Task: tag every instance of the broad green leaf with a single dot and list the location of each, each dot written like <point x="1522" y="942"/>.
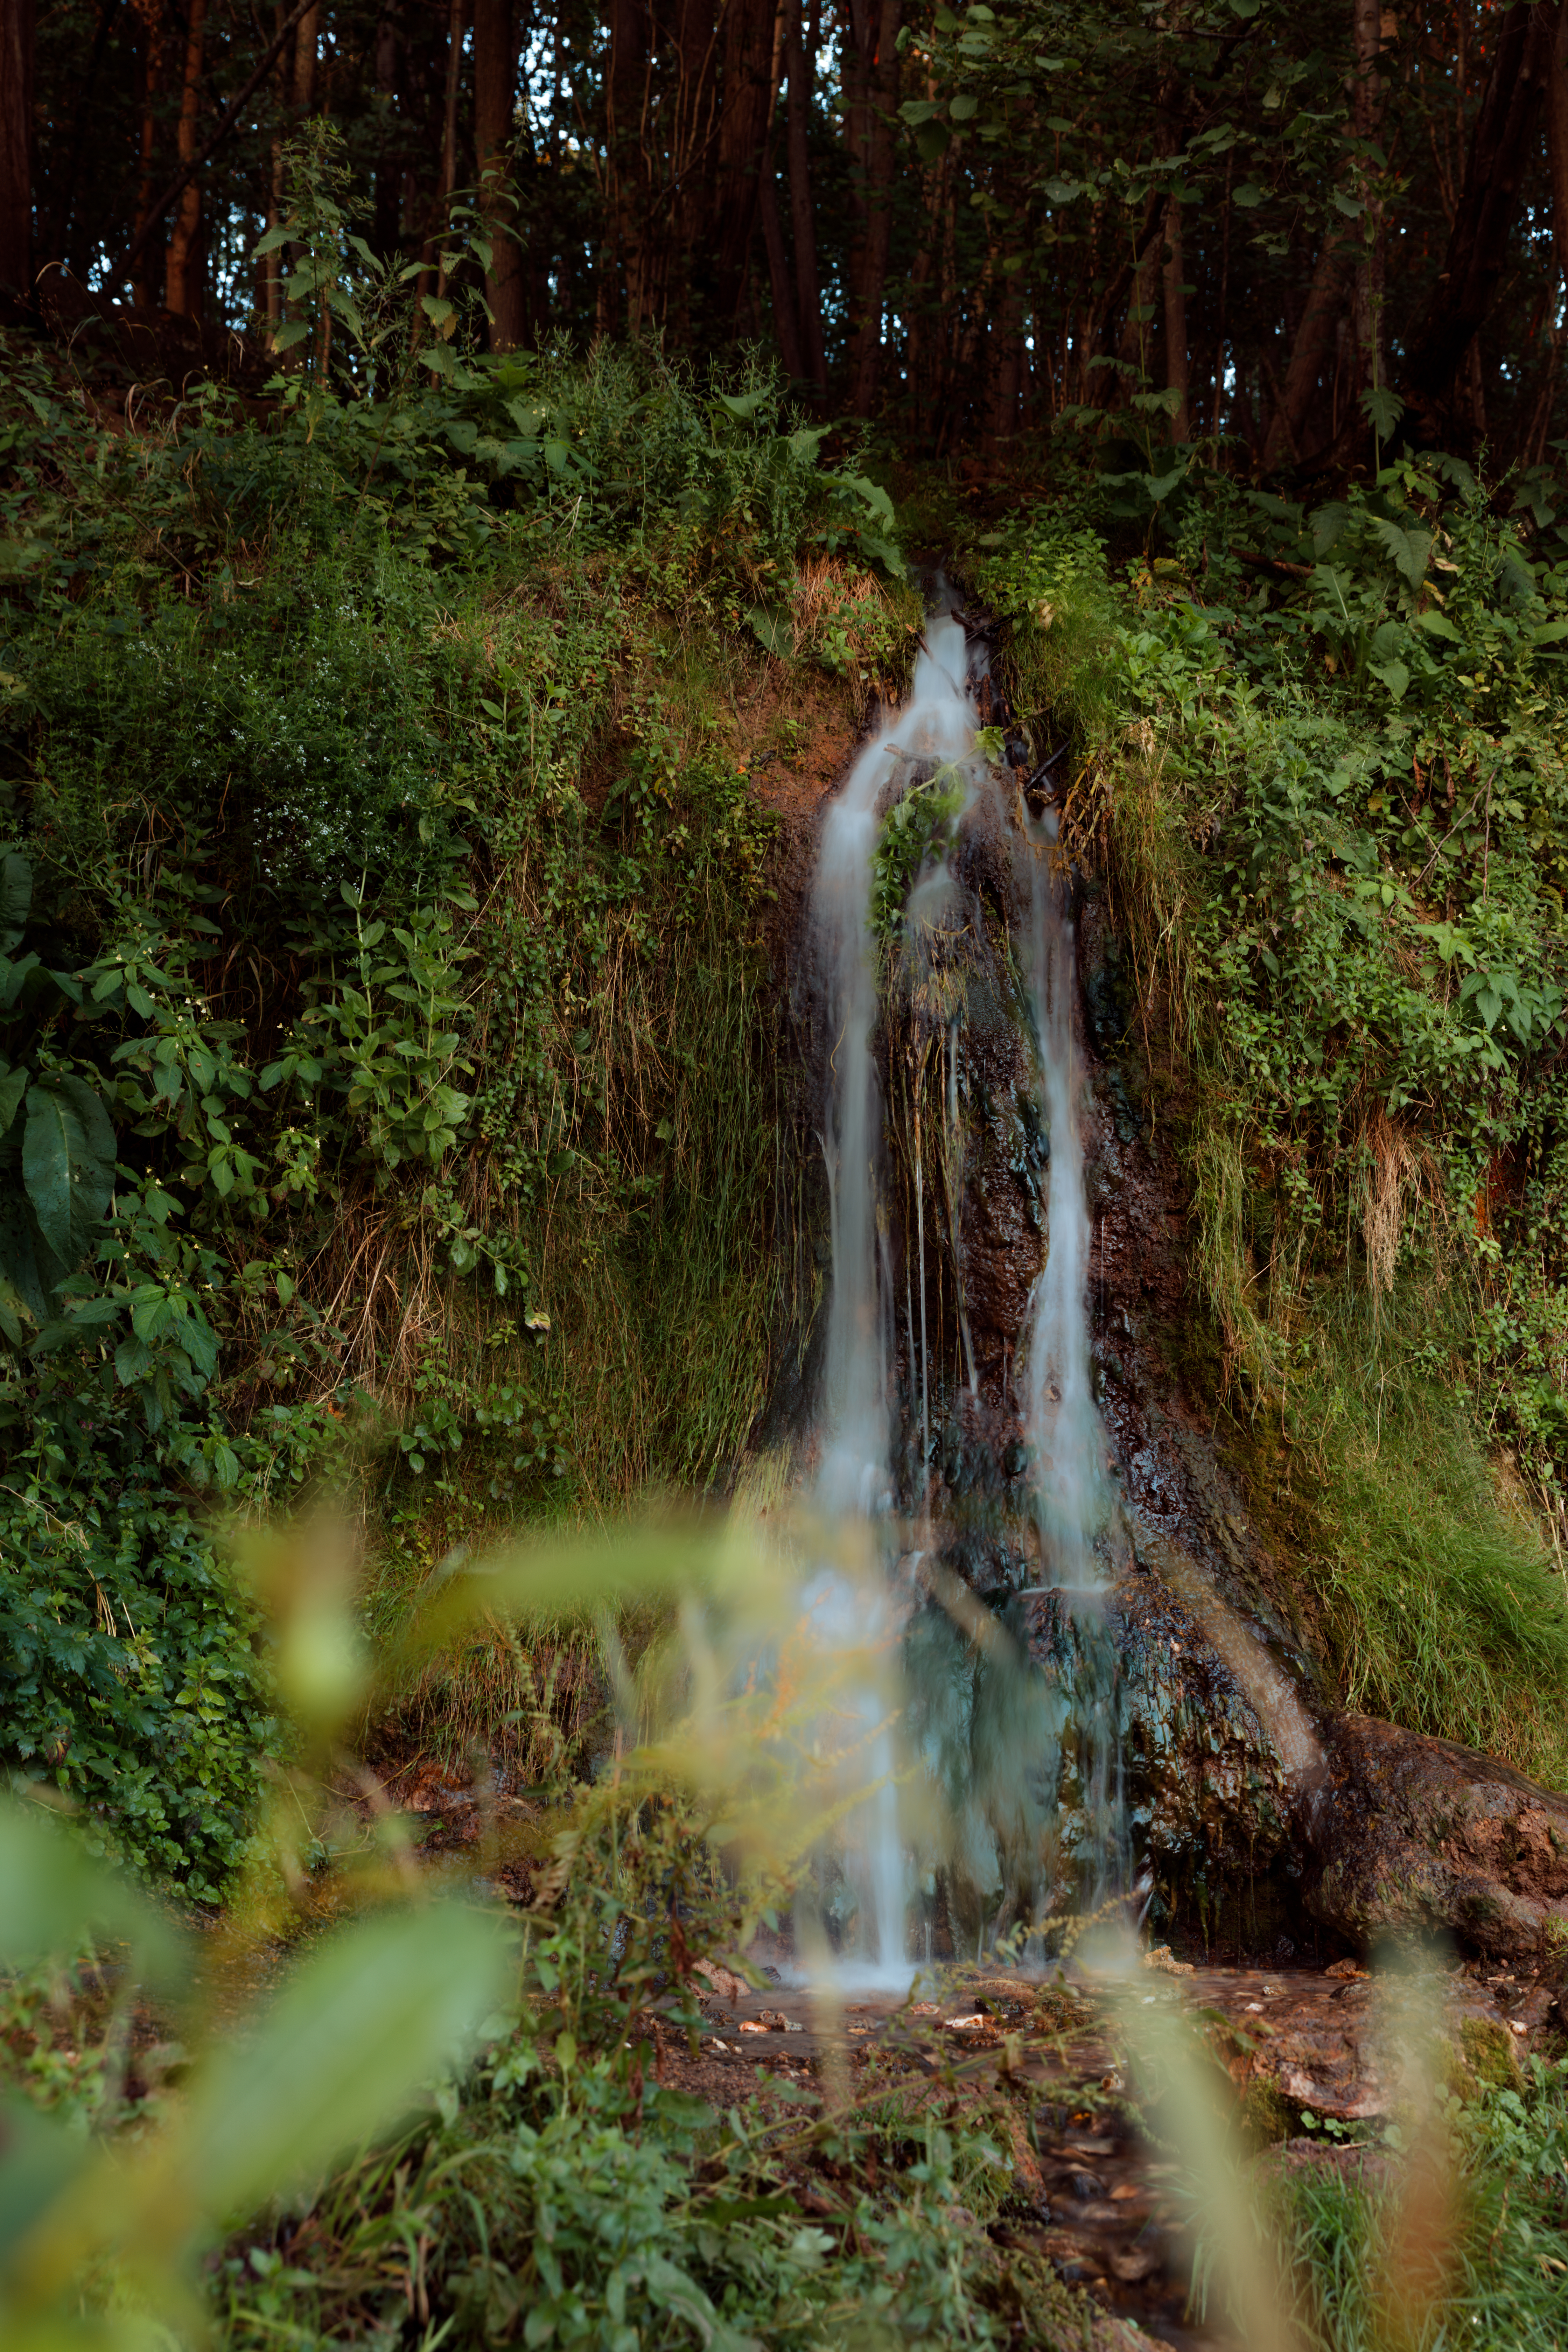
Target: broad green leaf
<point x="342" y="2052"/>
<point x="13" y="1086"/>
<point x="772" y="630"/>
<point x="743" y="404"/>
<point x="1383" y="409"/>
<point x="1437" y="624"/>
<point x="67" y="1163"/>
<point x="1409" y="548"/>
<point x="18" y="1320"/>
<point x="1394" y="675"/>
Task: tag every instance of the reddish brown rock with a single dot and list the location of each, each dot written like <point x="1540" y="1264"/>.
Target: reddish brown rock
<point x="1413" y="1835"/>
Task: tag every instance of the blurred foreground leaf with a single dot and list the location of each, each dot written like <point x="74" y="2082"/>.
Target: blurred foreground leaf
<point x="341" y="2052"/>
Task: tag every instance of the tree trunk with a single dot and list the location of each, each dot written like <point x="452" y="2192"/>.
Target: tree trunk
<point x="388" y="230"/>
<point x="803" y="216"/>
<point x="872" y="132"/>
<point x="270" y="270"/>
<point x="1557" y="138"/>
<point x="456" y="25"/>
<point x="183" y="277"/>
<point x="1312" y="354"/>
<point x="691" y="159"/>
<point x="629" y="195"/>
<point x="147" y="186"/>
<point x="1176" y="323"/>
<point x="306" y="36"/>
<point x="494" y="71"/>
<point x="1137" y="328"/>
<point x="752" y="62"/>
<point x="1367" y="118"/>
<point x="17" y="45"/>
<point x="1441" y="388"/>
<point x="787" y="323"/>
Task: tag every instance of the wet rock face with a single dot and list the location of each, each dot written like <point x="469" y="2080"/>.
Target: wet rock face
<point x="1266" y="1821"/>
<point x="1004" y="1221"/>
<point x="1411" y="1834"/>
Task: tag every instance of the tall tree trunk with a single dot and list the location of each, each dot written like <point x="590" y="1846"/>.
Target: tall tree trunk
<point x="1006" y="368"/>
<point x="183" y="278"/>
<point x="1136" y="345"/>
<point x="495" y="82"/>
<point x="1557" y="138"/>
<point x="306" y="36"/>
<point x="787" y="318"/>
<point x="692" y="161"/>
<point x="630" y="195"/>
<point x="388" y="228"/>
<point x="751" y="64"/>
<point x="270" y="293"/>
<point x="1311" y="355"/>
<point x="1441" y="389"/>
<point x="799" y="40"/>
<point x="1176" y="323"/>
<point x="456" y="25"/>
<point x="1367" y="118"/>
<point x="872" y="132"/>
<point x="147" y="188"/>
<point x="18" y="46"/>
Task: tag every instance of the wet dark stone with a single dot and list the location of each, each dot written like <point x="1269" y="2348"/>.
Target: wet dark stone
<point x="1412" y="1835"/>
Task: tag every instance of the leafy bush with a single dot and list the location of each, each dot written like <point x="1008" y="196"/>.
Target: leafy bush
<point x="1319" y="763"/>
<point x="386" y="1080"/>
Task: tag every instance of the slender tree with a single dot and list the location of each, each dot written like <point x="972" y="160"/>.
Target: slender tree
<point x="184" y="270"/>
<point x="495" y="90"/>
<point x="17" y="40"/>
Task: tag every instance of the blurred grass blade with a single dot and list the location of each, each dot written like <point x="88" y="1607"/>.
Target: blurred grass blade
<point x="341" y="2052"/>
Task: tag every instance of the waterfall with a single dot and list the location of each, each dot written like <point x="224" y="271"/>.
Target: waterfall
<point x="937" y="728"/>
<point x="1066" y="1435"/>
<point x="938" y="724"/>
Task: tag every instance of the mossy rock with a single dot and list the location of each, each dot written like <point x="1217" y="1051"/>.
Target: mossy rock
<point x="1490" y="2055"/>
<point x="1267" y="2116"/>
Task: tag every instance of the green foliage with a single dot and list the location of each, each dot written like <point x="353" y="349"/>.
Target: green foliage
<point x="1442" y="1606"/>
<point x="1491" y="2277"/>
<point x="917" y="831"/>
<point x="1326" y="789"/>
<point x="385" y="1058"/>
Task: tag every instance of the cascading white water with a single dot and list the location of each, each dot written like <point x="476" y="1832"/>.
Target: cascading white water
<point x="1064" y="1421"/>
<point x="937" y="724"/>
<point x="938" y="727"/>
<point x="1067" y="1435"/>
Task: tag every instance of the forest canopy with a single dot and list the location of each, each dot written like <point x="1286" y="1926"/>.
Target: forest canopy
<point x="1300" y="229"/>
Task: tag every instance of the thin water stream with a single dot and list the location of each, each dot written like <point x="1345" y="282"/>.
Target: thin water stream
<point x="936" y="736"/>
